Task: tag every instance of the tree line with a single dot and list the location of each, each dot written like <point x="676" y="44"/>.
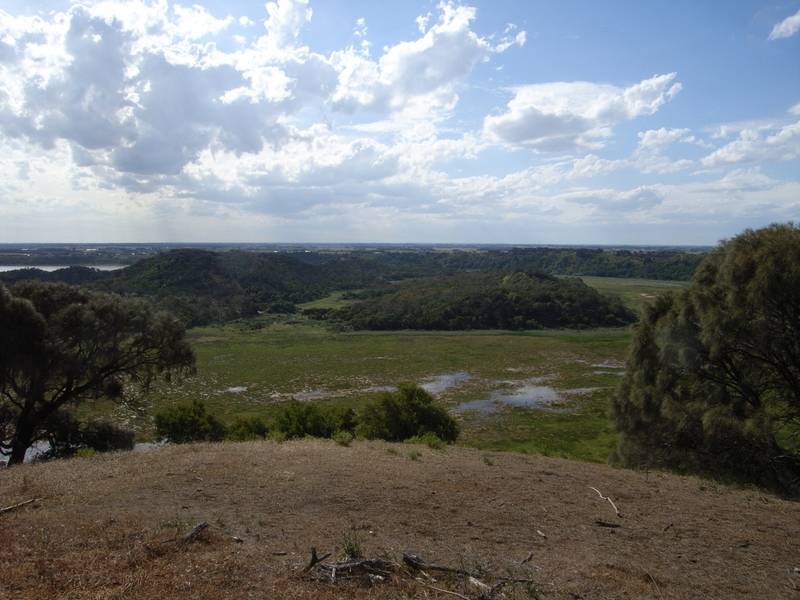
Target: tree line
<point x="203" y="287"/>
<point x="520" y="300"/>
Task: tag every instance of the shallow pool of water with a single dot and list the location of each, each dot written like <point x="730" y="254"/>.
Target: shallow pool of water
<point x="317" y="394"/>
<point x="442" y="383"/>
<point x="529" y="395"/>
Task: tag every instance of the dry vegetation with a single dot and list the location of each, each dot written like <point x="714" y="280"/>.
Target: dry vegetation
<point x="109" y="526"/>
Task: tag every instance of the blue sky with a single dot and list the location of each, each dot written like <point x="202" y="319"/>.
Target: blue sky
<point x="526" y="122"/>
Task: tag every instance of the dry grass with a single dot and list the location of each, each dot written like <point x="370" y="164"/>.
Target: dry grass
<point x="106" y="526"/>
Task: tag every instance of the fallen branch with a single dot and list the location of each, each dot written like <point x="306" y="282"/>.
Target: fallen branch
<point x="605" y="524"/>
<point x="194" y="532"/>
<point x="441" y="591"/>
<point x="417" y="563"/>
<point x="314" y="560"/>
<point x="14" y="506"/>
<point x="368" y="566"/>
<point x="614" y="506"/>
<point x="488" y="592"/>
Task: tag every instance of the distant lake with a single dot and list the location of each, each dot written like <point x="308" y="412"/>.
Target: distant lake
<point x="51" y="268"/>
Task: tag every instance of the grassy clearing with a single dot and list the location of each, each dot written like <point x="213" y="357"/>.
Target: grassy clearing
<point x="334" y="300"/>
<point x="633" y="292"/>
<point x="244" y="373"/>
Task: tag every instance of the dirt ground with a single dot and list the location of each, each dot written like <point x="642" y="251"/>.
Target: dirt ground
<point x="110" y="526"/>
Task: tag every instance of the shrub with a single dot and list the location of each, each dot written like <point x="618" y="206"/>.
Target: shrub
<point x="189" y="423"/>
<point x="252" y="428"/>
<point x="299" y="419"/>
<point x="343" y="438"/>
<point x="404" y="414"/>
<point x="431" y="440"/>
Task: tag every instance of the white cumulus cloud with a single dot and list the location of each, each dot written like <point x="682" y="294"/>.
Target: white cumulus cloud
<point x="576" y="116"/>
<point x="753" y="146"/>
<point x="786" y="28"/>
<point x="420" y="75"/>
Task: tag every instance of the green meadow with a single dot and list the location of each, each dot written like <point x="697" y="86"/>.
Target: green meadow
<point x="250" y="368"/>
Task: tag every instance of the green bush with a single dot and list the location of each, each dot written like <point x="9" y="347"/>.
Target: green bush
<point x="407" y="413"/>
<point x="300" y="419"/>
<point x="252" y="428"/>
<point x="343" y="438"/>
<point x="189" y="423"/>
<point x="431" y="440"/>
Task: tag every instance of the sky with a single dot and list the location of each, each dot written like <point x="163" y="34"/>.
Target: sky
<point x="635" y="122"/>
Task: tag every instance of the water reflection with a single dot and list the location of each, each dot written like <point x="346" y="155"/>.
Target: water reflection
<point x="529" y="395"/>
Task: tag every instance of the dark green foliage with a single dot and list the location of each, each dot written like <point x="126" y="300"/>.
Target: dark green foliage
<point x="522" y="300"/>
<point x="67" y="435"/>
<point x="186" y="423"/>
<point x="71" y="275"/>
<point x="253" y="428"/>
<point x="301" y="419"/>
<point x="206" y="287"/>
<point x="407" y="413"/>
<point x="394" y="266"/>
<point x="62" y="345"/>
<point x="713" y="377"/>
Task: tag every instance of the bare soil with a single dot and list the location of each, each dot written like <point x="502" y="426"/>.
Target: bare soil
<point x="110" y="526"/>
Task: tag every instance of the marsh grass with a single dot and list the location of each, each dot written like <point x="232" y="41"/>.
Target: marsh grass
<point x="245" y="373"/>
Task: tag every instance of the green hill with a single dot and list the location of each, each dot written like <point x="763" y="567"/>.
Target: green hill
<point x="520" y="300"/>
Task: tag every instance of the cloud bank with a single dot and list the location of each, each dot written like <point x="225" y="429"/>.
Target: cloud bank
<point x="172" y="120"/>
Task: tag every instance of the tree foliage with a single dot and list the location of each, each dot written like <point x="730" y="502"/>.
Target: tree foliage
<point x="186" y="423"/>
<point x="203" y="287"/>
<point x="300" y="419"/>
<point x="407" y="413"/>
<point x="66" y="435"/>
<point x="520" y="300"/>
<point x="713" y="377"/>
<point x="63" y="345"/>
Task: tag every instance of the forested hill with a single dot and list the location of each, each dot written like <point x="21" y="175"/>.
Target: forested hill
<point x="205" y="287"/>
<point x="520" y="300"/>
<point x="589" y="262"/>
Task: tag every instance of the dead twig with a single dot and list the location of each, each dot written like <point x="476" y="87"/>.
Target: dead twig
<point x="19" y="504"/>
<point x="314" y="560"/>
<point x="658" y="589"/>
<point x="614" y="506"/>
<point x="605" y="524"/>
<point x="194" y="532"/>
<point x="420" y="565"/>
<point x="417" y="563"/>
<point x="441" y="591"/>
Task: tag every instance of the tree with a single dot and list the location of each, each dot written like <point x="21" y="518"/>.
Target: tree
<point x="62" y="345"/>
<point x="408" y="413"/>
<point x="713" y="376"/>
